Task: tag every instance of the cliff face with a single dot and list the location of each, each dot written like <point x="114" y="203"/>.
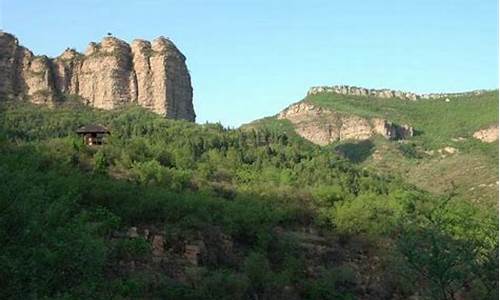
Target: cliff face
<point x="110" y="73"/>
<point x="22" y="73"/>
<point x="384" y="93"/>
<point x="322" y="126"/>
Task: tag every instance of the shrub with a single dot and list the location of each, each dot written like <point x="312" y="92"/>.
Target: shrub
<point x="409" y="150"/>
<point x="130" y="249"/>
<point x="223" y="284"/>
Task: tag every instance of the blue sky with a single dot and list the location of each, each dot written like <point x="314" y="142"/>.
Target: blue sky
<point x="250" y="59"/>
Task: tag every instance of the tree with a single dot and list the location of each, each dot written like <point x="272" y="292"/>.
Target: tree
<point x="448" y="245"/>
<point x="100" y="162"/>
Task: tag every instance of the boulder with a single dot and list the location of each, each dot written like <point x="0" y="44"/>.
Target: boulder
<point x="132" y="233"/>
<point x="158" y="245"/>
<point x="194" y="252"/>
<point x="450" y="150"/>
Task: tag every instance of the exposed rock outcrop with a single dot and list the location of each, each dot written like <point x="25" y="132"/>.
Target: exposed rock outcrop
<point x="322" y="126"/>
<point x="488" y="135"/>
<point x="9" y="64"/>
<point x="158" y="245"/>
<point x="106" y="78"/>
<point x="384" y="93"/>
<point x="22" y="73"/>
<point x="110" y="74"/>
<point x="448" y="150"/>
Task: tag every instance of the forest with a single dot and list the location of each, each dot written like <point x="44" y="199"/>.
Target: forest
<point x="304" y="222"/>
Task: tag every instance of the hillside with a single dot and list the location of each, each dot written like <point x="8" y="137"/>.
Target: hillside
<point x="174" y="210"/>
<point x="442" y="154"/>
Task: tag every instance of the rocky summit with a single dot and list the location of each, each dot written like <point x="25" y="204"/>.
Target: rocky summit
<point x="108" y="75"/>
<point x="385" y="93"/>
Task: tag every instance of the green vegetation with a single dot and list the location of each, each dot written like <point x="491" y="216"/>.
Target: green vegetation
<point x="303" y="221"/>
<point x="275" y="125"/>
<point x="472" y="171"/>
<point x="436" y="121"/>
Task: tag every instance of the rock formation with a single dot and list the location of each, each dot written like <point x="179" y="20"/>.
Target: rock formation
<point x="322" y="126"/>
<point x="110" y="74"/>
<point x="21" y="72"/>
<point x="384" y="93"/>
<point x="488" y="135"/>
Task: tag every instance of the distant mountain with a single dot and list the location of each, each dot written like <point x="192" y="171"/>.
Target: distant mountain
<point x="437" y="141"/>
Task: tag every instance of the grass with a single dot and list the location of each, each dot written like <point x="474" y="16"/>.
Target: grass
<point x="472" y="176"/>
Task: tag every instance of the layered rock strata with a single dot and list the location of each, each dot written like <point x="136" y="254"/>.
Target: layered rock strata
<point x="322" y="126"/>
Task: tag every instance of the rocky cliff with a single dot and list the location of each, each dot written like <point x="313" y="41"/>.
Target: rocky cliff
<point x="384" y="93"/>
<point x="109" y="74"/>
<point x="322" y="126"/>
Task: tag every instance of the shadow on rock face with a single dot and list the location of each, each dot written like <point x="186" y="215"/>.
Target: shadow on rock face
<point x="356" y="152"/>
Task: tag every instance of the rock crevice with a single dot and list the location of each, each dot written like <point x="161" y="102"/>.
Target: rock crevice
<point x="108" y="75"/>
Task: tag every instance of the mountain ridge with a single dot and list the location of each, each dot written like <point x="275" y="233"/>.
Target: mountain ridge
<point x="387" y="93"/>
